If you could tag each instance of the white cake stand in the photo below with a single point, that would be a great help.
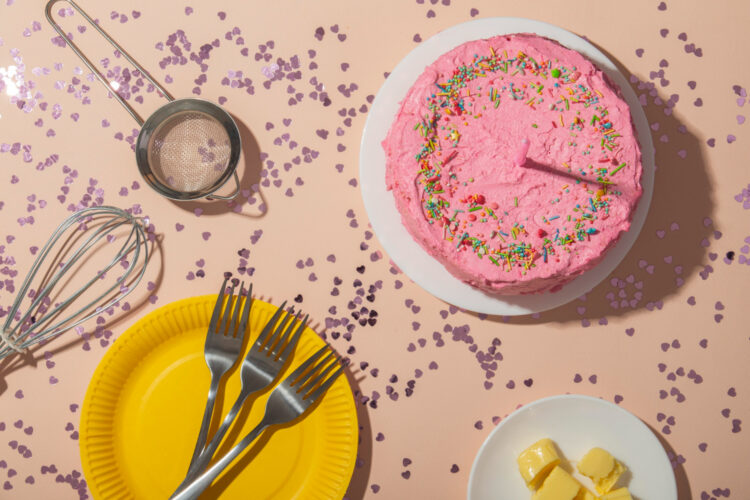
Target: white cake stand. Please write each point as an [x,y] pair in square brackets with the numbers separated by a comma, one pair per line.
[421,267]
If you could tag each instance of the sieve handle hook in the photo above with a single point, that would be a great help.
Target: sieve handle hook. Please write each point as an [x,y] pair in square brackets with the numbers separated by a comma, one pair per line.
[89,64]
[228,196]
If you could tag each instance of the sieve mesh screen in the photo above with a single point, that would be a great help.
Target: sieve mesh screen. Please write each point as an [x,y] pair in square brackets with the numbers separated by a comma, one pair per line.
[189,151]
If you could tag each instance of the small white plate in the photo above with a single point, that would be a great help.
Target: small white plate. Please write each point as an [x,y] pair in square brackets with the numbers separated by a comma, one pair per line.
[422,268]
[576,424]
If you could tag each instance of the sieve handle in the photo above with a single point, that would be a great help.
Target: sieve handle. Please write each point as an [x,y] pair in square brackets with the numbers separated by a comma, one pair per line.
[89,64]
[229,196]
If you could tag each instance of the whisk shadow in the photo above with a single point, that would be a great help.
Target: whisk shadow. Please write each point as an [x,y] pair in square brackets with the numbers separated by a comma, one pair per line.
[249,184]
[41,352]
[12,363]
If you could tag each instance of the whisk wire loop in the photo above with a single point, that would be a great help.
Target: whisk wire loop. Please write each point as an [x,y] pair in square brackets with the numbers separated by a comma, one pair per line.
[133,255]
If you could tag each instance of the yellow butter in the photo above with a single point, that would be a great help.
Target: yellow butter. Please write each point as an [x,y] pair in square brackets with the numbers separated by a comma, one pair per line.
[606,484]
[559,485]
[536,461]
[596,464]
[585,494]
[602,468]
[618,494]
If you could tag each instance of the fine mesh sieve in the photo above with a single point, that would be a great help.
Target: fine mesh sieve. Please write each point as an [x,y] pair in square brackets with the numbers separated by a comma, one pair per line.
[188,148]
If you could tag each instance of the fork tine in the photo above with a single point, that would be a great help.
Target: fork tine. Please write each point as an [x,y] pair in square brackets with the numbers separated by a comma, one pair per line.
[269,325]
[310,374]
[227,310]
[245,312]
[324,386]
[279,338]
[271,335]
[295,338]
[236,312]
[315,377]
[292,378]
[217,308]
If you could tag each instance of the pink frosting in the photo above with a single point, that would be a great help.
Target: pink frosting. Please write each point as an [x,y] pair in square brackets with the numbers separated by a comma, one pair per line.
[564,106]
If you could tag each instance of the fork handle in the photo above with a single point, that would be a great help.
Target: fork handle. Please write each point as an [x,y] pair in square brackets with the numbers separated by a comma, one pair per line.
[199,465]
[203,434]
[194,489]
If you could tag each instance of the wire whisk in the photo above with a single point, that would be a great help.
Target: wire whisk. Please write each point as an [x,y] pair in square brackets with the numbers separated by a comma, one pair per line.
[81,242]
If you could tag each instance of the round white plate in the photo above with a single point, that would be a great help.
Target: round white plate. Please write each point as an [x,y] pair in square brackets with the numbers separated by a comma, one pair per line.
[421,267]
[576,424]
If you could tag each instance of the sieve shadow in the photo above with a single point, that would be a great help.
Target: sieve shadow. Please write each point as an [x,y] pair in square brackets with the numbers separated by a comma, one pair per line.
[35,354]
[249,197]
[654,268]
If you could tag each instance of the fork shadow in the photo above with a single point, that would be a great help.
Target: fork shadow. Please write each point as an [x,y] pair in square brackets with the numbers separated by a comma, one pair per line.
[360,476]
[221,392]
[217,488]
[243,414]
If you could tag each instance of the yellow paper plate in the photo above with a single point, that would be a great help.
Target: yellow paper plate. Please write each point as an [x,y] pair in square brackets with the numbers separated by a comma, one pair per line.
[142,411]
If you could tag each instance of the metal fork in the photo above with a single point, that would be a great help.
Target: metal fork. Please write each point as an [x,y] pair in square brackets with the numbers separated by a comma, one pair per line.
[291,399]
[222,350]
[262,365]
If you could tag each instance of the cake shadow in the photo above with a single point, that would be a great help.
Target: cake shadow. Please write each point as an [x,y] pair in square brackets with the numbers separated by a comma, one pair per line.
[671,249]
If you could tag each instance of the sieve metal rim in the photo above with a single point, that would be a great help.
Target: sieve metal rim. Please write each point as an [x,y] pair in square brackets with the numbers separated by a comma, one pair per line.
[160,116]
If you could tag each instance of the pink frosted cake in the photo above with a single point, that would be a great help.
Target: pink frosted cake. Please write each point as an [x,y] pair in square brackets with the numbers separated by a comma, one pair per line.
[514,162]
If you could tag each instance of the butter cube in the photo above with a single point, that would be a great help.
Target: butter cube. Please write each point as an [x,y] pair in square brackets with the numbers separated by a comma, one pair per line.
[618,494]
[602,468]
[536,461]
[596,464]
[585,494]
[559,485]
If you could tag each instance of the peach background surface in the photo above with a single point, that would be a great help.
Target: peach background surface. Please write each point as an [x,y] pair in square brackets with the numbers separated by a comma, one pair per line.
[665,336]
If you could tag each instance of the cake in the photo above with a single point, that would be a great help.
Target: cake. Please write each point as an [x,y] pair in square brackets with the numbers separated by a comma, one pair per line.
[514,162]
